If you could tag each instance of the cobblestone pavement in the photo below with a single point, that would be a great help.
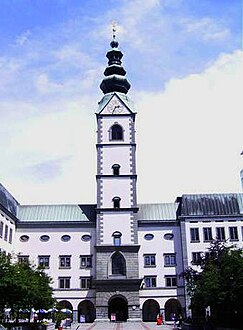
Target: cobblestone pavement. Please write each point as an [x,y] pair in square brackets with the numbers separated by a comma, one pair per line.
[121,326]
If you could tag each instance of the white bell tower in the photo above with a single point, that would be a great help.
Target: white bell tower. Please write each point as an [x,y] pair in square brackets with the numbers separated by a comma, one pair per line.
[117,280]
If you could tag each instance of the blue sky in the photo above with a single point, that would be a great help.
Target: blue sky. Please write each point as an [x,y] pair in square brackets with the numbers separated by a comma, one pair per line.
[184,61]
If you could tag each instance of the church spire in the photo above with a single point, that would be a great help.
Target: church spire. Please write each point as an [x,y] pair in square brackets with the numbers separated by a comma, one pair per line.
[114,80]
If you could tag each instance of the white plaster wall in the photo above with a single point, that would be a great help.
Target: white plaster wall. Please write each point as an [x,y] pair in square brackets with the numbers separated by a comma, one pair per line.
[55,247]
[108,122]
[117,186]
[117,222]
[6,245]
[116,155]
[159,246]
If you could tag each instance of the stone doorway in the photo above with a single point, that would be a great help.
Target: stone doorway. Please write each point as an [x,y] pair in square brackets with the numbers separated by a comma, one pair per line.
[118,307]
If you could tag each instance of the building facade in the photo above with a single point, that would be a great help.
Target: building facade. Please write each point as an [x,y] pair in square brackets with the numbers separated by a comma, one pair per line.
[117,259]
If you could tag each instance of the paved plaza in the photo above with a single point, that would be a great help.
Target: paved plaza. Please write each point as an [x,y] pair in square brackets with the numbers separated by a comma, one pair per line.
[121,326]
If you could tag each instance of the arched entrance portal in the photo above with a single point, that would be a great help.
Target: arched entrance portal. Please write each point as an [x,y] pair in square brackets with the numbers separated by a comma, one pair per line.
[64,304]
[118,306]
[150,310]
[172,306]
[86,311]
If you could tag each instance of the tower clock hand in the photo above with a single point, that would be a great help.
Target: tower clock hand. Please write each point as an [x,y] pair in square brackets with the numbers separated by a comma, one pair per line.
[115,107]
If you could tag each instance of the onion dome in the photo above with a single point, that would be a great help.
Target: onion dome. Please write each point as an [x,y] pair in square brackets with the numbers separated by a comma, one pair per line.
[114,80]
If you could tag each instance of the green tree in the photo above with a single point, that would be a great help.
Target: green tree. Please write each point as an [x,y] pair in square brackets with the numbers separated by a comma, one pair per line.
[23,286]
[218,284]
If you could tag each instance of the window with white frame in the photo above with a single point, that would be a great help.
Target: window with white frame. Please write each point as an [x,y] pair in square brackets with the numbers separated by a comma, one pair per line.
[150,281]
[196,257]
[85,282]
[169,259]
[149,260]
[233,233]
[86,261]
[10,239]
[23,259]
[44,261]
[64,282]
[170,281]
[194,234]
[64,261]
[6,233]
[207,234]
[1,229]
[220,233]
[117,238]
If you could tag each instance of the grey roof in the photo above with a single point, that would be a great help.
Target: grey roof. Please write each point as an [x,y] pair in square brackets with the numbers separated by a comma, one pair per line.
[158,211]
[212,204]
[8,201]
[107,97]
[68,212]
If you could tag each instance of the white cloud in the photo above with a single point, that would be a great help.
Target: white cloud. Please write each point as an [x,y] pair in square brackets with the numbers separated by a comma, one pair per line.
[23,38]
[44,85]
[206,28]
[190,136]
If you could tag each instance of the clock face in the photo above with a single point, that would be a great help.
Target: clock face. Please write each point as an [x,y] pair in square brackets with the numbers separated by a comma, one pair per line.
[115,106]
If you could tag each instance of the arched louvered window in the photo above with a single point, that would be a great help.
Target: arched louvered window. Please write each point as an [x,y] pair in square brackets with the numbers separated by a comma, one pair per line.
[116,169]
[116,202]
[116,132]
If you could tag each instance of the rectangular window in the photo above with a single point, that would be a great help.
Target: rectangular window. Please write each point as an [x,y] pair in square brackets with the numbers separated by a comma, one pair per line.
[170,281]
[85,261]
[64,282]
[6,233]
[150,281]
[44,261]
[117,240]
[64,261]
[220,233]
[207,234]
[170,259]
[85,282]
[196,257]
[23,259]
[1,228]
[10,239]
[149,260]
[233,233]
[194,234]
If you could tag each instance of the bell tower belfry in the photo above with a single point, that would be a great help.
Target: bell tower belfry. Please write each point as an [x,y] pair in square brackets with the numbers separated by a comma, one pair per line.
[117,280]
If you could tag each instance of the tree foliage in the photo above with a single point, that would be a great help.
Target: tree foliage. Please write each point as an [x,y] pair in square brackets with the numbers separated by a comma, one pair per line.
[218,283]
[23,286]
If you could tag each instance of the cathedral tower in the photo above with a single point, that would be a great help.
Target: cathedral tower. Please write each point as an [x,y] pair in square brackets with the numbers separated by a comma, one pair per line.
[117,280]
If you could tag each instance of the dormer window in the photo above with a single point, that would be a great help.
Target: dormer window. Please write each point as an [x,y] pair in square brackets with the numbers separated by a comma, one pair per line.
[116,202]
[116,169]
[116,132]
